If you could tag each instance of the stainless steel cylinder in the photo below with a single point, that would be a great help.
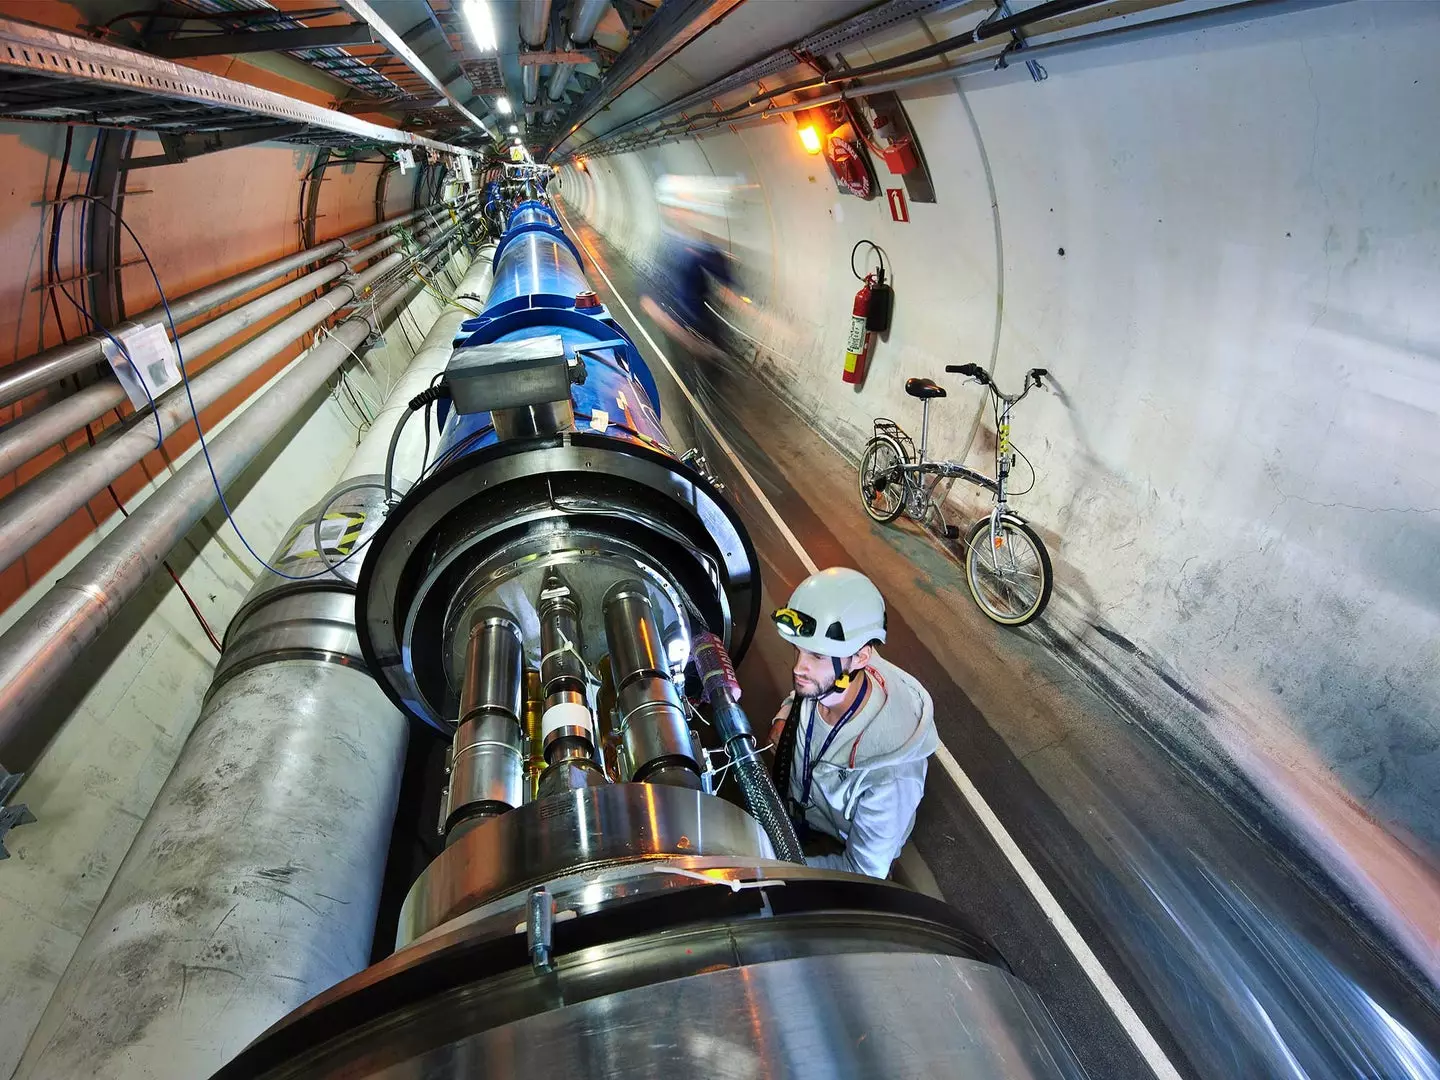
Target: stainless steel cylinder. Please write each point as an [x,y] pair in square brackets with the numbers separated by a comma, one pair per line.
[656,735]
[530,82]
[559,77]
[487,770]
[631,630]
[570,767]
[562,672]
[493,665]
[487,760]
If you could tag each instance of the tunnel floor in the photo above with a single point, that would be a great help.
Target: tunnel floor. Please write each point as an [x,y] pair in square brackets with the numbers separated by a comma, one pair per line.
[1225,961]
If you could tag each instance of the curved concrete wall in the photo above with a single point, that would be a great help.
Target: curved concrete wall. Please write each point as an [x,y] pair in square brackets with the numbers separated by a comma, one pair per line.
[1224,246]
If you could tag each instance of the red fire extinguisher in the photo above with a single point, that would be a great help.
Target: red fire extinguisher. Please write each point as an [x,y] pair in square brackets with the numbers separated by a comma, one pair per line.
[870,315]
[857,343]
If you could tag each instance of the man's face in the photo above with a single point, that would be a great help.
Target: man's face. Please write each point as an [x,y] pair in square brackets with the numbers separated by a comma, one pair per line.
[814,674]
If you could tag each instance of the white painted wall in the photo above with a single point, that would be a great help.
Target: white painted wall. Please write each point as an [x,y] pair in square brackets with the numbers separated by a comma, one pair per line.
[1241,473]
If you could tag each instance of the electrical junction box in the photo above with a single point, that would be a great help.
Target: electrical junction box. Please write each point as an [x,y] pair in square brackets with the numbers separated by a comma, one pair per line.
[900,156]
[508,374]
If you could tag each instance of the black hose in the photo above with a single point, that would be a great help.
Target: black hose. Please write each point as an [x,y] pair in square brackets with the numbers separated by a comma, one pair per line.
[717,675]
[419,401]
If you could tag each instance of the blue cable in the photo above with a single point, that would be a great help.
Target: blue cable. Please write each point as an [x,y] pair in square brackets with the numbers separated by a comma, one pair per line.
[78,306]
[195,414]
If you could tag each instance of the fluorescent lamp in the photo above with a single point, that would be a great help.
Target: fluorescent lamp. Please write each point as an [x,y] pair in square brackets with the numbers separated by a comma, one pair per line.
[502,103]
[482,25]
[514,130]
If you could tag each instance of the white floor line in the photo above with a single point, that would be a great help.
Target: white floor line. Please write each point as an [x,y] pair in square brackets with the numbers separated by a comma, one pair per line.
[1134,1027]
[810,564]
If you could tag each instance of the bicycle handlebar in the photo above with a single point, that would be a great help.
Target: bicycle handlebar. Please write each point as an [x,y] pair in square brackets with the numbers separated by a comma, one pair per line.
[1033,378]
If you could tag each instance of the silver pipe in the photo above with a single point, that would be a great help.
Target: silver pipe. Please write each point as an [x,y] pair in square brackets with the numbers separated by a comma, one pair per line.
[252,886]
[584,16]
[559,76]
[534,22]
[35,509]
[308,754]
[530,82]
[29,376]
[43,646]
[33,434]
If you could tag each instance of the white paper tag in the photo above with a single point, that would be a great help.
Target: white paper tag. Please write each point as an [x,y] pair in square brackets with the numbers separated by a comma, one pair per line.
[405,157]
[599,419]
[151,363]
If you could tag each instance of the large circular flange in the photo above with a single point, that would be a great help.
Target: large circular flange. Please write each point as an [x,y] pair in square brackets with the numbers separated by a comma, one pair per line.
[563,834]
[459,516]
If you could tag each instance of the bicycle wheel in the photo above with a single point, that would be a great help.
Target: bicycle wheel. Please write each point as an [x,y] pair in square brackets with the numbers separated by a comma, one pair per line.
[882,484]
[1010,580]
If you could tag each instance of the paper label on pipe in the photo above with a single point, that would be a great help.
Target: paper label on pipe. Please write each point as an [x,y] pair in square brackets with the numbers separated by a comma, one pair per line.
[566,714]
[143,360]
[599,419]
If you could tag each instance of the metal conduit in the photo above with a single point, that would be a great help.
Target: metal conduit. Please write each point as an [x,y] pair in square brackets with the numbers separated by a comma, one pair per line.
[41,505]
[584,17]
[265,739]
[534,28]
[33,433]
[25,377]
[45,643]
[1190,22]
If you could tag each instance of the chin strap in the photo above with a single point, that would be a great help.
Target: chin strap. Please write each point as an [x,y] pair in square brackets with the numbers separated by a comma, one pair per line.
[841,683]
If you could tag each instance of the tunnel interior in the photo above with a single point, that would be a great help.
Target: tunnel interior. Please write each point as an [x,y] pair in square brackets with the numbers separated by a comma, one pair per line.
[421,422]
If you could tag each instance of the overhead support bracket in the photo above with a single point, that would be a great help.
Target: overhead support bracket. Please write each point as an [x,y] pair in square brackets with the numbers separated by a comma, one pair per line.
[538,57]
[1017,42]
[319,37]
[180,147]
[675,24]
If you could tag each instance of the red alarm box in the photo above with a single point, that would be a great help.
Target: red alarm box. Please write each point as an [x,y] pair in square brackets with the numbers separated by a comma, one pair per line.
[900,156]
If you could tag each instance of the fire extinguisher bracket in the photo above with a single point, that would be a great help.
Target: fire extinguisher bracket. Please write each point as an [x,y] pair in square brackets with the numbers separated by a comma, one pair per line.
[882,304]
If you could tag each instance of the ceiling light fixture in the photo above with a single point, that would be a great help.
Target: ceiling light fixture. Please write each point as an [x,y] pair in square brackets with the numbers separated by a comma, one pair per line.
[502,103]
[482,25]
[514,130]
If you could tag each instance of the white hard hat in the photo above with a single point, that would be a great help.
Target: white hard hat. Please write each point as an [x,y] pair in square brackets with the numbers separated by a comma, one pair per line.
[836,612]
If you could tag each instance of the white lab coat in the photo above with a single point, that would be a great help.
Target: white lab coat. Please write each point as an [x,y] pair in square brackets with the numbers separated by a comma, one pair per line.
[868,785]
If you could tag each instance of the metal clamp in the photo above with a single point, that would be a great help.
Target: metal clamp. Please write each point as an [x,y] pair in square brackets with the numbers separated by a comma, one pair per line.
[540,929]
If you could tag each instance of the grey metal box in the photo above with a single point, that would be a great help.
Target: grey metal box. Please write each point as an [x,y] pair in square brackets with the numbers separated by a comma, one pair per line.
[508,374]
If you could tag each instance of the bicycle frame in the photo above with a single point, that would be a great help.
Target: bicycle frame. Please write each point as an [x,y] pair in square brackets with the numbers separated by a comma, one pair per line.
[940,470]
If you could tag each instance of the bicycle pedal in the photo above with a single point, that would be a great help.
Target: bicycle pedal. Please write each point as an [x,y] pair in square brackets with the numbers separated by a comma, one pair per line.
[952,532]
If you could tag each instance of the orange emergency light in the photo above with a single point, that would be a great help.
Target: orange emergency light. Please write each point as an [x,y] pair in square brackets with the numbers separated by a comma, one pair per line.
[810,139]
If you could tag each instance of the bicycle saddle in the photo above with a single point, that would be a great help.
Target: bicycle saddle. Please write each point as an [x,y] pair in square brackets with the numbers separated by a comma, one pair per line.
[923,388]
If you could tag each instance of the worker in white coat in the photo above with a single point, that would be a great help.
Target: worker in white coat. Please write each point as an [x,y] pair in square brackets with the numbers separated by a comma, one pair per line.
[853,738]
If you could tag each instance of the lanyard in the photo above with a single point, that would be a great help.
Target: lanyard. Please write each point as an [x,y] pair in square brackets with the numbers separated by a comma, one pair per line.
[809,774]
